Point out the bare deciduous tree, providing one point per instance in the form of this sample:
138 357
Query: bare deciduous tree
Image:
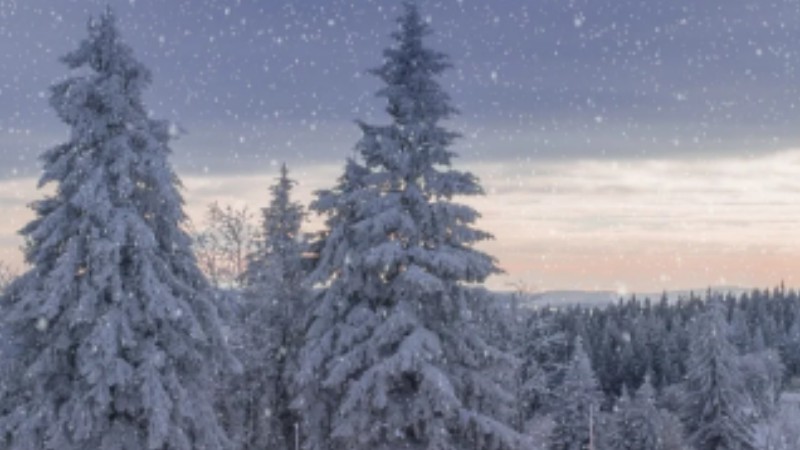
7 275
223 245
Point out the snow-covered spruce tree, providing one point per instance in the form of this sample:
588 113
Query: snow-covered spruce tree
115 339
392 359
790 347
638 424
273 323
542 349
762 376
277 264
578 405
714 410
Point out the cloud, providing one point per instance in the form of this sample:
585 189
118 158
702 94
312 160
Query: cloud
689 221
647 224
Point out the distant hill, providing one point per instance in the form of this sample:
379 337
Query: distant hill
602 298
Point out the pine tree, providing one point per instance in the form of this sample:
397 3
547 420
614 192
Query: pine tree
619 434
277 264
740 330
762 377
115 338
578 406
638 424
276 311
392 359
714 412
543 351
790 349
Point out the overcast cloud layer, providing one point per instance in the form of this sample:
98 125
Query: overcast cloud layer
642 144
252 80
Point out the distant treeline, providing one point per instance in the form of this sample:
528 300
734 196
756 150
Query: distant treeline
634 337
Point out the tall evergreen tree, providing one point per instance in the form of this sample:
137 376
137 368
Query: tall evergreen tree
762 377
790 348
277 264
714 412
543 352
392 359
638 424
275 313
115 338
578 405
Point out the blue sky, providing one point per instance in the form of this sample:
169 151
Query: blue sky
636 98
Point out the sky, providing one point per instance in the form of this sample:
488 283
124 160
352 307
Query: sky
626 145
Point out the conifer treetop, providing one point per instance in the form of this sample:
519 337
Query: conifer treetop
392 354
115 337
409 70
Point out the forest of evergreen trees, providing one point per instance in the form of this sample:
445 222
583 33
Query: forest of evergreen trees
372 334
678 357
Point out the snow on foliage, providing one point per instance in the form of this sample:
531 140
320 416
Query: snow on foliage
277 262
638 424
391 358
115 342
715 398
578 406
272 329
